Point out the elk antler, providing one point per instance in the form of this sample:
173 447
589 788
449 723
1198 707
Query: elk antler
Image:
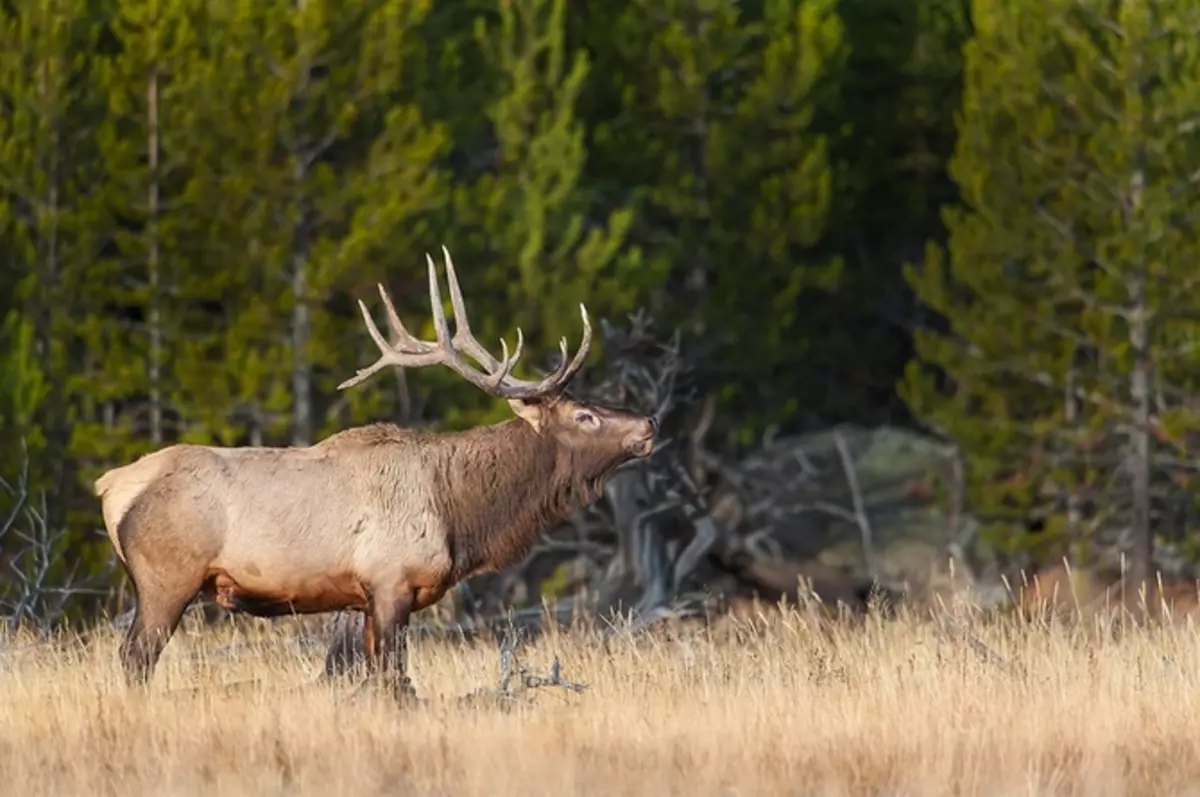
410 352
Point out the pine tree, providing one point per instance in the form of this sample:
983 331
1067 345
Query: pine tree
527 238
889 111
142 148
317 164
1068 284
716 139
52 228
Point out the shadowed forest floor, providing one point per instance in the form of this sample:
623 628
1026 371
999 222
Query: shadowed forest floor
782 705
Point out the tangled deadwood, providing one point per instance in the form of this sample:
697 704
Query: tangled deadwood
42 579
688 528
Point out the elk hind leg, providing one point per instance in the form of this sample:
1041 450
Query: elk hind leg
168 568
160 607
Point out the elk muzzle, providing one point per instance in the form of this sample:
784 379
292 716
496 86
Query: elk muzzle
640 441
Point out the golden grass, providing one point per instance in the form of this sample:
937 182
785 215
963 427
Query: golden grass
787 706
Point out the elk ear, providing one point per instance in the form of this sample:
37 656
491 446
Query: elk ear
532 412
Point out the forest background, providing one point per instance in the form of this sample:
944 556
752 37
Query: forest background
969 219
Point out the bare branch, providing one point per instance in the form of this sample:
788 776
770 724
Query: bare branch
860 512
512 671
41 583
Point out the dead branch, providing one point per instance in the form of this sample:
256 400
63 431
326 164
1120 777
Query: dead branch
512 671
860 511
43 580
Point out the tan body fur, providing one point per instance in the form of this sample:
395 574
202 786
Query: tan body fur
376 519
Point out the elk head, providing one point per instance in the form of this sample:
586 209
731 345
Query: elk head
590 437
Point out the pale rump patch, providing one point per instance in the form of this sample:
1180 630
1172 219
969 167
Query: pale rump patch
120 487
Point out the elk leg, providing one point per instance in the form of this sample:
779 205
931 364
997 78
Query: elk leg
155 619
391 643
167 551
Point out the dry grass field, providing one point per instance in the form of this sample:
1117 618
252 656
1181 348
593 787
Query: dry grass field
785 705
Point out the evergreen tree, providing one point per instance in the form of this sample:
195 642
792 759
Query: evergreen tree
889 112
707 115
142 146
317 163
1068 280
52 228
526 233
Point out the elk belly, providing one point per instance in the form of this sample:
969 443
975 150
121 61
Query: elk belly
260 597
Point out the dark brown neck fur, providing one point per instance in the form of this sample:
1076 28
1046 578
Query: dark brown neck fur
498 487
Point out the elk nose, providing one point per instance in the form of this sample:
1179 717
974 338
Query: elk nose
653 425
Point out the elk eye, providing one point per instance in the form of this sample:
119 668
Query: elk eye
585 418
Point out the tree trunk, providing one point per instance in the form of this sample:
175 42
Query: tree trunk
302 425
1141 549
155 316
1071 420
50 301
302 415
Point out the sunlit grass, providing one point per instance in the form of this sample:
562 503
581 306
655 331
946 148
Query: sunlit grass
786 705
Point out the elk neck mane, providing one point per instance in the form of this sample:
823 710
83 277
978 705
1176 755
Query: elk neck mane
497 487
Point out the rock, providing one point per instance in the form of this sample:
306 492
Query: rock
800 488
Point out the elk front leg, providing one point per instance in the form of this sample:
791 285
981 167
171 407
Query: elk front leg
390 634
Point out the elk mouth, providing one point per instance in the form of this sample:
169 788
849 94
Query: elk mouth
643 447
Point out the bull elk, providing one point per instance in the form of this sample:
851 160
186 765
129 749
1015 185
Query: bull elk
376 519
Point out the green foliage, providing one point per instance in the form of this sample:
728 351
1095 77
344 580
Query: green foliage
316 164
26 387
531 206
889 112
135 279
52 225
716 134
528 214
1072 171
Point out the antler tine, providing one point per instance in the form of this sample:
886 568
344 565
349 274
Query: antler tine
507 386
502 374
387 354
497 379
463 338
560 376
404 339
563 374
493 383
585 346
